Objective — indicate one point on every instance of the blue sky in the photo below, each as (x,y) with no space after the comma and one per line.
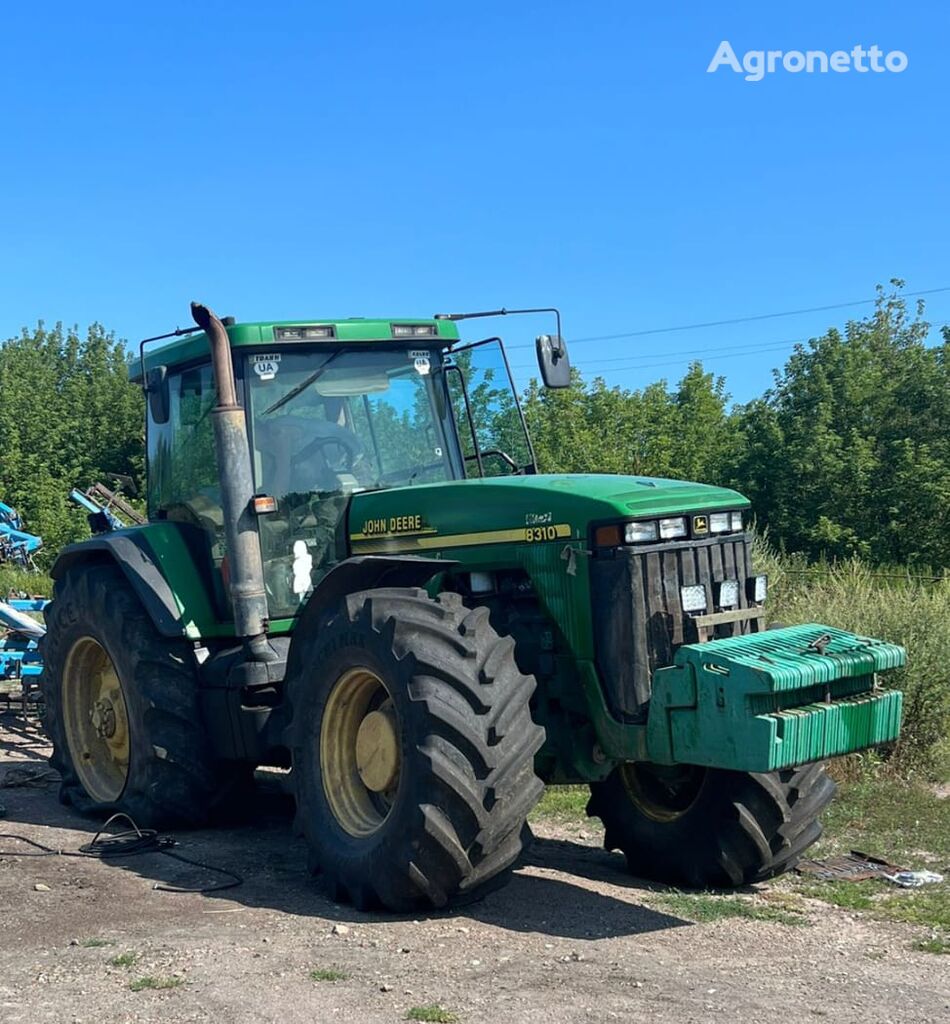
(302,159)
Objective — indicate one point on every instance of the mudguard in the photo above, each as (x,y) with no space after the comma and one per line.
(129,551)
(365,572)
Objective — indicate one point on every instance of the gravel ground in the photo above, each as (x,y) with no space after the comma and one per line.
(570,939)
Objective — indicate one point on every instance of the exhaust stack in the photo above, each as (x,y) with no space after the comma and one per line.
(248,597)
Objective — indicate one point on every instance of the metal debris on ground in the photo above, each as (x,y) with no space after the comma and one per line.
(914,879)
(23,776)
(852,867)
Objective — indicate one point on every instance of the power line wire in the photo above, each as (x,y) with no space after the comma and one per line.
(741,319)
(727,352)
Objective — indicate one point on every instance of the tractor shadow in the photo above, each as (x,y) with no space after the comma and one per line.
(558,890)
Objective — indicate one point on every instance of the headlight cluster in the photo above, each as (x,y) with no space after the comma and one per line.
(655,529)
(652,531)
(725,594)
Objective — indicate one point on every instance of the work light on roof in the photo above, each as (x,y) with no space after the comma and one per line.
(305,332)
(414,331)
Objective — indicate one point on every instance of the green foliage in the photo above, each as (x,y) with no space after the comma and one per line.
(849,452)
(68,416)
(19,581)
(682,433)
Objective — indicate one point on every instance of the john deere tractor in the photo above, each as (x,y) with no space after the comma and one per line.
(352,569)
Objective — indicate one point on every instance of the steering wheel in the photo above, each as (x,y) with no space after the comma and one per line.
(331,435)
(283,435)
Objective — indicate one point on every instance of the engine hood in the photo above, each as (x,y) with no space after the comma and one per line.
(466,512)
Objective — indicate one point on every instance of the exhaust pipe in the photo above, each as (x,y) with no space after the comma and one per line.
(248,597)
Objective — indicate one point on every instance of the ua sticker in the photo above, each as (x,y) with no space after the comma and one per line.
(266,367)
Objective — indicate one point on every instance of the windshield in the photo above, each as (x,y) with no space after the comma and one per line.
(325,425)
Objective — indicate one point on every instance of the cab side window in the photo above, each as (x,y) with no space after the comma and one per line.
(183,473)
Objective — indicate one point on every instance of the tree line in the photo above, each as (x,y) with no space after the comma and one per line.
(847,453)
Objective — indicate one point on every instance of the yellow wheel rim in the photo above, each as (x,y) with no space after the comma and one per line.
(96,720)
(661,793)
(360,755)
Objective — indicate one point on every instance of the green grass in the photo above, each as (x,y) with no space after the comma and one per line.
(124,959)
(327,974)
(904,823)
(933,945)
(151,982)
(562,803)
(433,1012)
(848,895)
(897,821)
(31,583)
(96,943)
(703,908)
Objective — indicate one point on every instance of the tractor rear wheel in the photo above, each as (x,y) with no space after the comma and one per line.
(122,706)
(413,750)
(709,828)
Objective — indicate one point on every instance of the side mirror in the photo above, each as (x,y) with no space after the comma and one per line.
(156,387)
(553,360)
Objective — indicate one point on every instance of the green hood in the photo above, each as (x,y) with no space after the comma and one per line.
(420,517)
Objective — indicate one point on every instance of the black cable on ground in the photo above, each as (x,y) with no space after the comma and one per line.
(130,843)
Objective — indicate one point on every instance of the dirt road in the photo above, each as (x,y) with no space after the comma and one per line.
(572,938)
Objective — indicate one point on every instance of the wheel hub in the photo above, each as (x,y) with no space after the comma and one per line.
(103,719)
(377,750)
(663,794)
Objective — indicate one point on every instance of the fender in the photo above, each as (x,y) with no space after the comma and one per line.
(364,572)
(132,556)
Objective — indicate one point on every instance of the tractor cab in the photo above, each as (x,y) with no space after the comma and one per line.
(332,409)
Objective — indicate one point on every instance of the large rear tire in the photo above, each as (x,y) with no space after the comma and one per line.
(413,750)
(122,706)
(708,828)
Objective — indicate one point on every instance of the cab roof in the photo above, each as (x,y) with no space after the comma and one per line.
(179,351)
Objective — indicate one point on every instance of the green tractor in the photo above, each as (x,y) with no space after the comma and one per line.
(352,569)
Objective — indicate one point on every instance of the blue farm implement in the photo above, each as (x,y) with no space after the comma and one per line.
(20,664)
(16,545)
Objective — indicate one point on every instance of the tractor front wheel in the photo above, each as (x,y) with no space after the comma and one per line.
(122,706)
(413,750)
(709,828)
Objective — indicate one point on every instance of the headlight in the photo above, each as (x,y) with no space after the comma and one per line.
(735,519)
(728,594)
(757,588)
(637,533)
(672,528)
(693,598)
(719,522)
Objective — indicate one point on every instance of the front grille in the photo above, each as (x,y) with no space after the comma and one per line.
(638,619)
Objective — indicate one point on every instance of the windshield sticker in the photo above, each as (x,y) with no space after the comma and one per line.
(421,363)
(266,366)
